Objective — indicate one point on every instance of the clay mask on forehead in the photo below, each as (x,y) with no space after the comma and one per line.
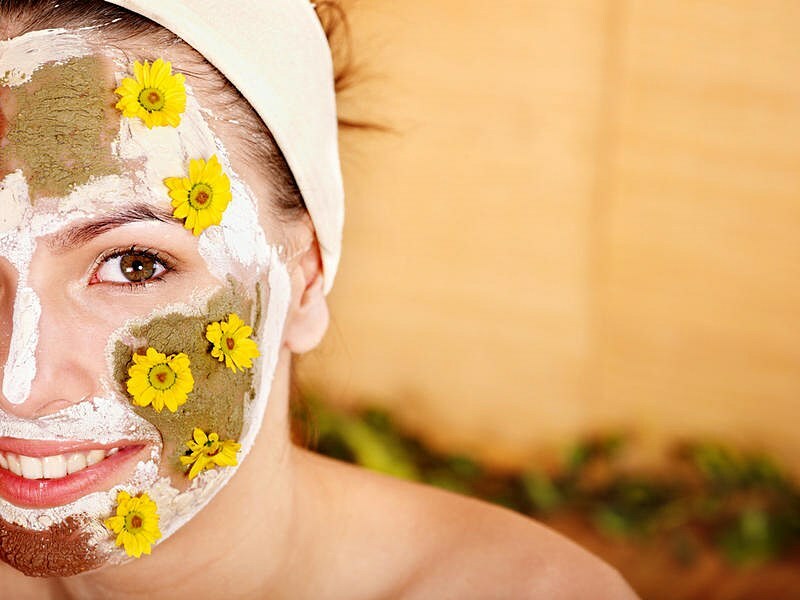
(142,342)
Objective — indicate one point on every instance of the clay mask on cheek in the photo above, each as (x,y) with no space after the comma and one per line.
(182,383)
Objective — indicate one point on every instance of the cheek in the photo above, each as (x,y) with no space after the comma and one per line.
(219,396)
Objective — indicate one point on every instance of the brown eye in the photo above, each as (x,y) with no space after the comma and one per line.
(130,267)
(137,267)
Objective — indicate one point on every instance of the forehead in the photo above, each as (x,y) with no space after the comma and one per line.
(61,130)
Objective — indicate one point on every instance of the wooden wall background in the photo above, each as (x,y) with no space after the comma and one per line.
(588,217)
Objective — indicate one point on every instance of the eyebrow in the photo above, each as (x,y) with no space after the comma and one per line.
(83,233)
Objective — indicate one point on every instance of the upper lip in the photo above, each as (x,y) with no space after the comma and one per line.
(41,448)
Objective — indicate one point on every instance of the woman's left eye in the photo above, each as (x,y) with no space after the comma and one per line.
(131,267)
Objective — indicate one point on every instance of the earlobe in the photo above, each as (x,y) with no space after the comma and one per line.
(309,317)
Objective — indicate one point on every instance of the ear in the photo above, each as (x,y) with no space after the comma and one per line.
(308,316)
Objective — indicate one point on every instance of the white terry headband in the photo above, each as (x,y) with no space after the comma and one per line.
(276,54)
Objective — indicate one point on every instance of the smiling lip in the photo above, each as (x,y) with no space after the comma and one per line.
(41,474)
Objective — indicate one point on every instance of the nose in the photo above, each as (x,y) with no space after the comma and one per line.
(44,362)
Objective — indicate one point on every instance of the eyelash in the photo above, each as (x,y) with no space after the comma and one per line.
(165,261)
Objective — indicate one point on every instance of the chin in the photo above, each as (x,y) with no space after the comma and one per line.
(61,550)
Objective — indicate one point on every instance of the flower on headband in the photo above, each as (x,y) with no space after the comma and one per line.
(201,198)
(135,523)
(160,380)
(207,452)
(154,94)
(232,343)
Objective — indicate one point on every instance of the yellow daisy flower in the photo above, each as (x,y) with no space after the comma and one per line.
(154,94)
(160,380)
(208,452)
(232,343)
(201,198)
(135,523)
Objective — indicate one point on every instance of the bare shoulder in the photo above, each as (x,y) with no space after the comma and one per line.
(444,545)
(481,550)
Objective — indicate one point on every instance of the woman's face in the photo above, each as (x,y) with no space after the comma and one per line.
(113,309)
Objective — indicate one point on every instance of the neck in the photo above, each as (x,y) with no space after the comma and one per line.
(244,539)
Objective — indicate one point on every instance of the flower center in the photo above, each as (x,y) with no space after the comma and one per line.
(151,99)
(230,343)
(133,522)
(161,377)
(200,196)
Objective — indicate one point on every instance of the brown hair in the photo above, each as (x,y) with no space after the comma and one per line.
(120,27)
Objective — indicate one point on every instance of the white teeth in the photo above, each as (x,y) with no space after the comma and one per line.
(75,462)
(52,467)
(31,467)
(95,456)
(13,463)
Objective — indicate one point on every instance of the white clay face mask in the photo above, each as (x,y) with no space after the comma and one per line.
(147,307)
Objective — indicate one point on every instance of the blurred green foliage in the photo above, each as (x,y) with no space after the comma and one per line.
(707,496)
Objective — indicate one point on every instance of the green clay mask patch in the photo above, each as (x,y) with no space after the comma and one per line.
(59,131)
(216,402)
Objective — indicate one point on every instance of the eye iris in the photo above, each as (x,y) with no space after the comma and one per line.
(137,267)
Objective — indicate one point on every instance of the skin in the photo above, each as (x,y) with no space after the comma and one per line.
(296,525)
